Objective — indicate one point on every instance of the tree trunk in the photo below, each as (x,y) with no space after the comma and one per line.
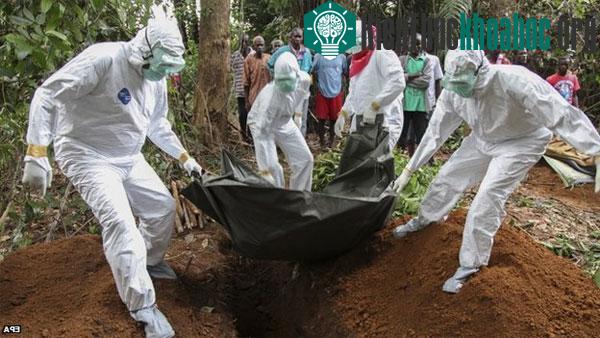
(210,109)
(179,6)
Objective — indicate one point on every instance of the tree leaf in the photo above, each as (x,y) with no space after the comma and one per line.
(597,278)
(97,4)
(41,19)
(23,53)
(28,14)
(18,20)
(22,46)
(80,14)
(57,34)
(53,18)
(45,5)
(122,15)
(39,58)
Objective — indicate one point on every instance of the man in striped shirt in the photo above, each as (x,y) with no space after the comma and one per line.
(237,67)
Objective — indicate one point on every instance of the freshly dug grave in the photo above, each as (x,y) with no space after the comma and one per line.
(383,288)
(392,288)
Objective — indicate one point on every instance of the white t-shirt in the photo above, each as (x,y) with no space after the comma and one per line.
(437,75)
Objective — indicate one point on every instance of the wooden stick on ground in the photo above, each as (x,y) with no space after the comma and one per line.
(201,220)
(4,216)
(192,211)
(186,216)
(197,213)
(178,210)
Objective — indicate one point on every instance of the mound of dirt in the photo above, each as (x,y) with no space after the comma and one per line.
(66,289)
(526,290)
(392,288)
(383,288)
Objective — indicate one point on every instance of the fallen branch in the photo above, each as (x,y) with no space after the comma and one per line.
(178,210)
(200,221)
(4,216)
(82,226)
(186,216)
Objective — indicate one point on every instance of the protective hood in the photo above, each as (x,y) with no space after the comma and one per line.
(162,33)
(286,65)
(459,62)
(286,74)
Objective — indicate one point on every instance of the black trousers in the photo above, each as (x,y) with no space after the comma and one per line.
(243,115)
(418,121)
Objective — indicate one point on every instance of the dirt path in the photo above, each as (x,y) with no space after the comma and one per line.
(383,288)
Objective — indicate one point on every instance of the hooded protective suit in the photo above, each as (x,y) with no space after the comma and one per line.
(512,114)
(381,82)
(98,110)
(271,121)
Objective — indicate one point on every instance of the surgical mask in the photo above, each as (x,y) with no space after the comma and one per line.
(287,83)
(462,83)
(161,64)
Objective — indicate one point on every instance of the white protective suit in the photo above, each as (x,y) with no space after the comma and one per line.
(98,111)
(381,81)
(512,114)
(271,122)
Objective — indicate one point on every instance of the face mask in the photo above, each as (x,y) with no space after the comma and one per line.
(462,83)
(287,84)
(162,64)
(151,75)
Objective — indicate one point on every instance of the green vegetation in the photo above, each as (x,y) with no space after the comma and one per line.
(586,254)
(326,166)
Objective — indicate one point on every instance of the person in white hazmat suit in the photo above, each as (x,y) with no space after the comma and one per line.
(376,87)
(275,119)
(98,110)
(512,113)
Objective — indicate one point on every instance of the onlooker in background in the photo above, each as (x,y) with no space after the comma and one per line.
(295,47)
(237,67)
(256,76)
(565,82)
(497,58)
(522,59)
(418,74)
(275,45)
(328,75)
(304,59)
(434,89)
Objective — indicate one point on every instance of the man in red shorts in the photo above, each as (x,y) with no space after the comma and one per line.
(328,74)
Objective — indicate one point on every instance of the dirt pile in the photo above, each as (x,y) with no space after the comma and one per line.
(392,288)
(66,289)
(526,290)
(384,288)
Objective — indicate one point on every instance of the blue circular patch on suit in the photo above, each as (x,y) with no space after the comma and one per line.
(124,96)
